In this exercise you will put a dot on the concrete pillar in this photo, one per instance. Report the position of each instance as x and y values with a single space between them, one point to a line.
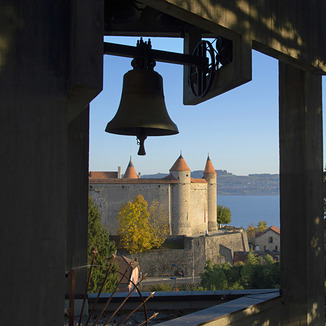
50 69
78 147
301 202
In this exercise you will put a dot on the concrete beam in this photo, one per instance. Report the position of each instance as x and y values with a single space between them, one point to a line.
290 30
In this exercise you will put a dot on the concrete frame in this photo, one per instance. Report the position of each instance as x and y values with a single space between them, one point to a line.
51 68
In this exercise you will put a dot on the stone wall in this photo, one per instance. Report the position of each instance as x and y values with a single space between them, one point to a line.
218 248
198 209
110 197
185 204
234 241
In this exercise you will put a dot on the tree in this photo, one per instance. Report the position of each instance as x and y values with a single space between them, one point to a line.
262 226
134 229
157 221
255 274
252 230
223 215
141 229
99 239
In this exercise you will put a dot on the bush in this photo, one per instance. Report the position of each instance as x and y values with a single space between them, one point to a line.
99 240
255 274
161 287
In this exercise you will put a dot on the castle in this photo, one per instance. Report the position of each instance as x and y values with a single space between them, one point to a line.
190 203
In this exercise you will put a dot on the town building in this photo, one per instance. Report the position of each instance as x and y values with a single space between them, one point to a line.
128 273
268 240
189 203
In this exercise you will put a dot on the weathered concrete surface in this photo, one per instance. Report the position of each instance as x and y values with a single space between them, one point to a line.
301 201
37 58
77 226
290 30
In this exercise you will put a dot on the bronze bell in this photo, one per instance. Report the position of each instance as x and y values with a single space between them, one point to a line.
142 111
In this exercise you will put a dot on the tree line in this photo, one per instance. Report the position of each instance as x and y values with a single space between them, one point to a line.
256 273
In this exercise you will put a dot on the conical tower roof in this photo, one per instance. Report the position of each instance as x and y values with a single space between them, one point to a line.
180 165
130 171
209 168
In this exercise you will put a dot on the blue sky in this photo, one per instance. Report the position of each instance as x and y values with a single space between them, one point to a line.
238 129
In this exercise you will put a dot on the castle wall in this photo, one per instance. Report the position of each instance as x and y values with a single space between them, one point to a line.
198 211
218 249
234 241
110 197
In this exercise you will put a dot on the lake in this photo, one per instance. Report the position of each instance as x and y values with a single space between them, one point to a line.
246 210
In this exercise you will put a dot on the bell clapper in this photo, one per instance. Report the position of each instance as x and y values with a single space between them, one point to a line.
140 142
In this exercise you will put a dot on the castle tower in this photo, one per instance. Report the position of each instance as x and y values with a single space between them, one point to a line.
130 171
181 197
211 178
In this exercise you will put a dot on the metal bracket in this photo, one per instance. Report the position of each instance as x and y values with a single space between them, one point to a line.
157 55
201 77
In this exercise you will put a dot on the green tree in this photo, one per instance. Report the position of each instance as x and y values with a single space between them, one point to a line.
252 275
213 277
269 260
98 239
223 215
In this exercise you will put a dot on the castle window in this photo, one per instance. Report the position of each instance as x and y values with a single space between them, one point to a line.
270 240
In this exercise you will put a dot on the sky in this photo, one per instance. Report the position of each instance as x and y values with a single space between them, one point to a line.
238 129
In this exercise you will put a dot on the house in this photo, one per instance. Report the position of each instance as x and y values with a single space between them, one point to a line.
268 240
131 277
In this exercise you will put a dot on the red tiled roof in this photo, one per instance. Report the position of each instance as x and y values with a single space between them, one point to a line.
193 180
271 228
180 165
169 177
140 181
130 172
102 175
275 229
209 168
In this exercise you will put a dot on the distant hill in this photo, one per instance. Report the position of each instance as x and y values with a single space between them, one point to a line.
230 184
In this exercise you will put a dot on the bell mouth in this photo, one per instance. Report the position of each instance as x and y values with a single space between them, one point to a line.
135 131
